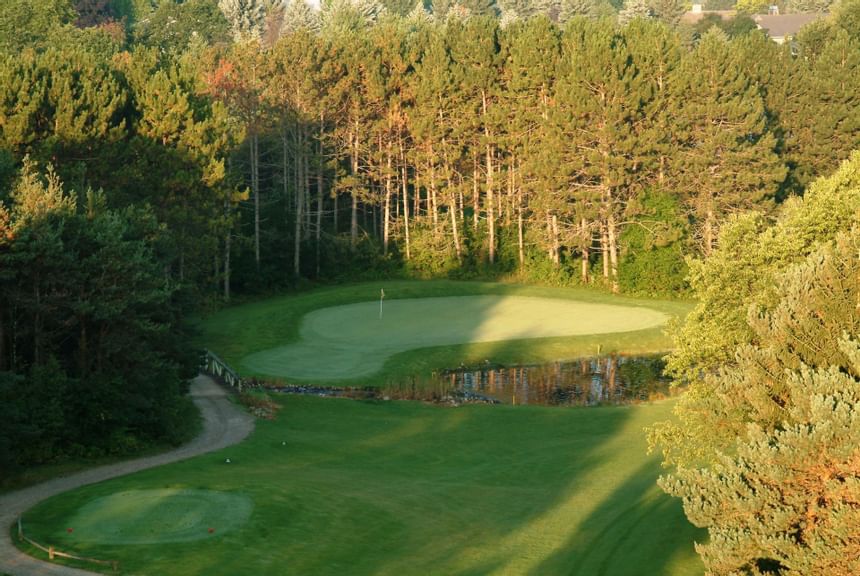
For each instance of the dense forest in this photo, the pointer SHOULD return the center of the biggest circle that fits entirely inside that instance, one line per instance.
(288, 144)
(160, 157)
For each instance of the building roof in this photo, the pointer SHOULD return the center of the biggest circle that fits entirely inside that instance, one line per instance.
(693, 17)
(782, 25)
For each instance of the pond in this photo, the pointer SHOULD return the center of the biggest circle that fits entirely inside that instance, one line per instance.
(603, 380)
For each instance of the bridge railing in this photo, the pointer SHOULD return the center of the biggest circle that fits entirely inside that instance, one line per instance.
(220, 370)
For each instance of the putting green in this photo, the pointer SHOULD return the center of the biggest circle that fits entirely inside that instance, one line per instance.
(157, 516)
(352, 341)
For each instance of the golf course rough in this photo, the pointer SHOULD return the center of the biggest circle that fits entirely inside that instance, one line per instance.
(157, 516)
(355, 340)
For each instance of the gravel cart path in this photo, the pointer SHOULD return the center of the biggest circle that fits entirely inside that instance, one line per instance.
(223, 425)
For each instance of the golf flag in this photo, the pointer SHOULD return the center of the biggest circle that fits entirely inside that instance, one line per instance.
(381, 298)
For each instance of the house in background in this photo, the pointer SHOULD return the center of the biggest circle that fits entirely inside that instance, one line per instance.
(697, 13)
(778, 27)
(783, 27)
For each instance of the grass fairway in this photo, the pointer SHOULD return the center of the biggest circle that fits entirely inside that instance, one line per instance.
(428, 325)
(345, 487)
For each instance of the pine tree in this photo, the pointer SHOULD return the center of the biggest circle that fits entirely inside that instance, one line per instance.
(601, 104)
(785, 498)
(300, 16)
(669, 11)
(475, 55)
(246, 18)
(522, 9)
(23, 86)
(29, 23)
(741, 276)
(531, 51)
(826, 126)
(634, 9)
(341, 17)
(568, 9)
(727, 157)
(174, 26)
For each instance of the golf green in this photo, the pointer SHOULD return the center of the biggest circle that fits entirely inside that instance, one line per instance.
(158, 516)
(357, 339)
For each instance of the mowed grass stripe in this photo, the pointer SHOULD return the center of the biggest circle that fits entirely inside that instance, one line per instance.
(356, 340)
(401, 488)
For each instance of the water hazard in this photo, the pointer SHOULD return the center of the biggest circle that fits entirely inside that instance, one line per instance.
(604, 380)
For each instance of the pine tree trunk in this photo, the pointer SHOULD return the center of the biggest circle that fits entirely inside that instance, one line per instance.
(255, 188)
(475, 190)
(550, 243)
(416, 197)
(335, 208)
(387, 214)
(613, 248)
(353, 223)
(433, 209)
(604, 250)
(306, 188)
(320, 167)
(552, 233)
(491, 215)
(300, 199)
(405, 190)
(710, 236)
(586, 243)
(37, 322)
(452, 211)
(510, 197)
(227, 239)
(285, 173)
(2, 342)
(520, 236)
(462, 204)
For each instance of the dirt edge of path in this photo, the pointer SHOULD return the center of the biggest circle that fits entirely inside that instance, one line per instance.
(224, 424)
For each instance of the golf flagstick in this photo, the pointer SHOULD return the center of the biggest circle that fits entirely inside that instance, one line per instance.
(381, 298)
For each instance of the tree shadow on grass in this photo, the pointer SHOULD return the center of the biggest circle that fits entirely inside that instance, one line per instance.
(620, 539)
(528, 505)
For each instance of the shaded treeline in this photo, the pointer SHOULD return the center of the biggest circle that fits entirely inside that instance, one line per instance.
(593, 154)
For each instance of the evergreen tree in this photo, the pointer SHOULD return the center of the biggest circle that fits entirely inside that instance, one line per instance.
(600, 111)
(784, 498)
(826, 125)
(28, 23)
(634, 9)
(173, 26)
(22, 99)
(475, 56)
(669, 11)
(523, 9)
(532, 51)
(90, 320)
(341, 17)
(93, 12)
(246, 18)
(737, 279)
(568, 9)
(462, 9)
(727, 157)
(300, 16)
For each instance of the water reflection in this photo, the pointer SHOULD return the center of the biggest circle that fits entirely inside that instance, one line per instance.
(611, 379)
